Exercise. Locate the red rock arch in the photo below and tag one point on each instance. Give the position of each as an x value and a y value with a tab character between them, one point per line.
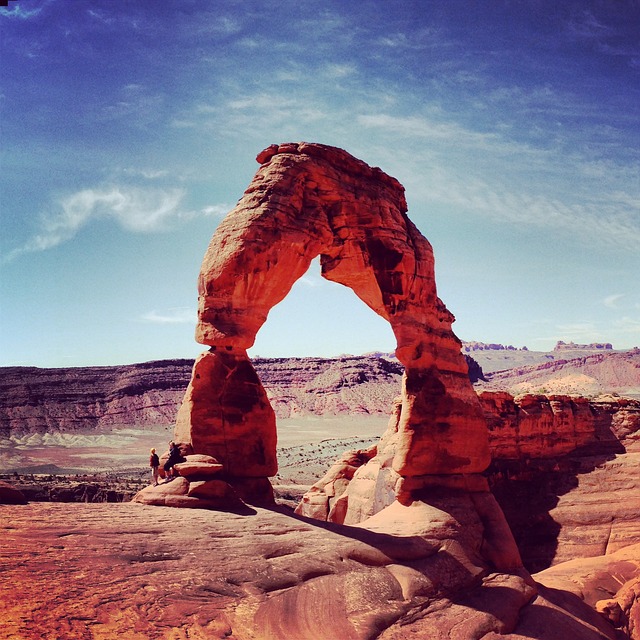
310	200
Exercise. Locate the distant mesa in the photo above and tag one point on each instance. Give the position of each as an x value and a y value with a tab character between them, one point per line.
483	346
572	346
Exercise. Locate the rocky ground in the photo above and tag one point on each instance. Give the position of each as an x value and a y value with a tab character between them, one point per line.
104	571
53	471
80	561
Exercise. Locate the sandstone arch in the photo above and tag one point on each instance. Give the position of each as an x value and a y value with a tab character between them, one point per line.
309	200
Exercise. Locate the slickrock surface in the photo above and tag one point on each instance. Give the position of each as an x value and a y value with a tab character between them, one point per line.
130	571
610	584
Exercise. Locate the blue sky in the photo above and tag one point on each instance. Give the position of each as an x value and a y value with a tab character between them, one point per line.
128	129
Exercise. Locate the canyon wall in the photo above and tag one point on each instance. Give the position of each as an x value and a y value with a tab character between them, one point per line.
87	399
94	399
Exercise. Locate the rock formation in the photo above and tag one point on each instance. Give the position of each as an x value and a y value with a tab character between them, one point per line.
310	200
547	426
134	571
10	495
85	399
588	375
82	400
73	400
564	471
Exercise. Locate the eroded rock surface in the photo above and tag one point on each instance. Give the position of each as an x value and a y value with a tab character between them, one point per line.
35	400
96	571
571	371
310	200
10	494
564	471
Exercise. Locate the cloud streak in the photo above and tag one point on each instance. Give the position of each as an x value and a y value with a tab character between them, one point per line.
174	315
133	209
515	183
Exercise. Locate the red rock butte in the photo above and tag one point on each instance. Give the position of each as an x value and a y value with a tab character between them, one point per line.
308	200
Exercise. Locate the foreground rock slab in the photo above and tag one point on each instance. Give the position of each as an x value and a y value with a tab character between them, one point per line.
97	571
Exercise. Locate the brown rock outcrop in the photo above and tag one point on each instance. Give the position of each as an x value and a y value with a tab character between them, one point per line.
10	495
310	200
226	414
546	426
564	471
610	584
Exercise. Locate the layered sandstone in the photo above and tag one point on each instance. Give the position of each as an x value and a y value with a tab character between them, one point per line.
71	400
564	471
86	399
572	372
547	426
310	200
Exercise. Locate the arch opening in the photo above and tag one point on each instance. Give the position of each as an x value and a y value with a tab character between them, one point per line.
321	318
310	200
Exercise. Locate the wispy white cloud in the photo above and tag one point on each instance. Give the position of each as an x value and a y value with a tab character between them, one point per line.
585	26
135	102
136	210
579	332
337	71
612	301
311	281
505	180
628	326
215	210
595	222
173	315
19	12
249	115
426	128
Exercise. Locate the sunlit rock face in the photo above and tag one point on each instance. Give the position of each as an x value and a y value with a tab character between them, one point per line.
226	414
310	200
564	473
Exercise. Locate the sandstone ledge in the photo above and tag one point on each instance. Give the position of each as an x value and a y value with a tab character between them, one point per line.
134	571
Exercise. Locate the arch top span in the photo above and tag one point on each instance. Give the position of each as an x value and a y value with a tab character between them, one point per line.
308	200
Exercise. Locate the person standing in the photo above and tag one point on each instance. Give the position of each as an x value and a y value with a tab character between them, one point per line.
154	463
